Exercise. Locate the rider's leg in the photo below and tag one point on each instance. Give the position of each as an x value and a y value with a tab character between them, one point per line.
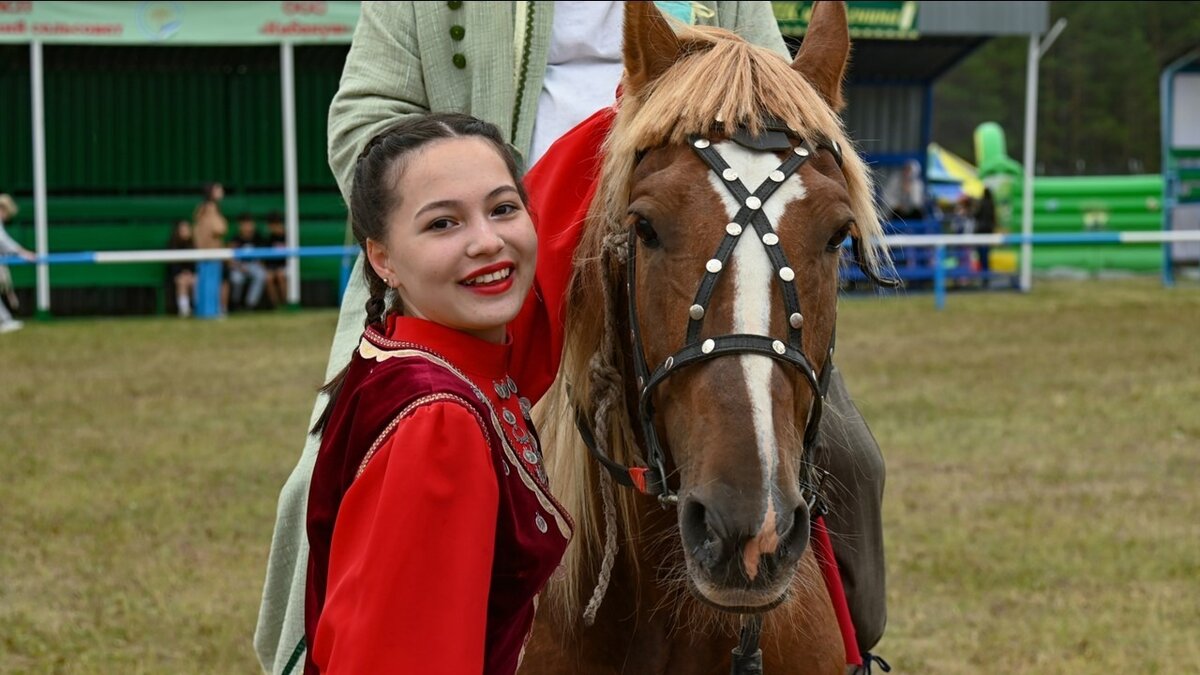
854	490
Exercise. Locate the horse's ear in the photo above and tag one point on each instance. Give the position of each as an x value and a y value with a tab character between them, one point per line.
650	45
825	50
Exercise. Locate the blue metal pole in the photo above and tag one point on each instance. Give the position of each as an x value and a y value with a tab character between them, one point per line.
939	277
208	289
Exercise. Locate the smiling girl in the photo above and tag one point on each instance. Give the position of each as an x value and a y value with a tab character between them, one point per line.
430	523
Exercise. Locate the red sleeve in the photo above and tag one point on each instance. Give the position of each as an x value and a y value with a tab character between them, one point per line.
410	564
560	186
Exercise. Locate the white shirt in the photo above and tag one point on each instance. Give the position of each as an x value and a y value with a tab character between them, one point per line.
7	243
583	68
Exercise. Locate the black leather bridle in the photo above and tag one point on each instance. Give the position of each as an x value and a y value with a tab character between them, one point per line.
750	218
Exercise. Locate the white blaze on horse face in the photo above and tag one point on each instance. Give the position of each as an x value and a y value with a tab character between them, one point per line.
754	280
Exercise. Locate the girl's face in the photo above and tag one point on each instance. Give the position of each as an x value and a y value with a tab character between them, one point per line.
183	230
460	247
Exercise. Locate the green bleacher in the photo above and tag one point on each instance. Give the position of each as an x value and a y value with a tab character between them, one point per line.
140	223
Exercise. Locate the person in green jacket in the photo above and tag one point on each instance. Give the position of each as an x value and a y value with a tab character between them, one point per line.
535	69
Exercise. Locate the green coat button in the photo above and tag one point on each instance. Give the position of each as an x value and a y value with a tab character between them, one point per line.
460	61
458	32
454	4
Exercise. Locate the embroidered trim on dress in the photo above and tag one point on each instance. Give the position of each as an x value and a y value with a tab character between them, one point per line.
369	350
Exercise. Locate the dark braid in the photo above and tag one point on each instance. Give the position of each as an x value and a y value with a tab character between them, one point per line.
376	304
375	307
373	197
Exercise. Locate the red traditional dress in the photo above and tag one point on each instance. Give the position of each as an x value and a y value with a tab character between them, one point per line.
431	527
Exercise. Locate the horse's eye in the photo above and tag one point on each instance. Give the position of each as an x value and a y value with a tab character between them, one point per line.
645	232
838	238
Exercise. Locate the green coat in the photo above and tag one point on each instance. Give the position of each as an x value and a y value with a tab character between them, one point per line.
379	85
402	62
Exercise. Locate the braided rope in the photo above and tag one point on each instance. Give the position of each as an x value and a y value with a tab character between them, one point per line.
610	550
606	384
615	244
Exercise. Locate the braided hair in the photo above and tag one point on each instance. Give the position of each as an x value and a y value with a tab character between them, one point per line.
373	197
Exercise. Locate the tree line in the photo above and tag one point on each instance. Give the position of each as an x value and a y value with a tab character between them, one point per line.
1098	89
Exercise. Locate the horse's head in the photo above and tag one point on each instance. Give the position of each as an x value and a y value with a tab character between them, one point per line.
728	189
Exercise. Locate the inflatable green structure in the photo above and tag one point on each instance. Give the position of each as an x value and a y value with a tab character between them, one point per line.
1069	204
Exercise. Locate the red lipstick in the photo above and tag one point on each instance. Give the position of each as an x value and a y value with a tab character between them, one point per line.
493	287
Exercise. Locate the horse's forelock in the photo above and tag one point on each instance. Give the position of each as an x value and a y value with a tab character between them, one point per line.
754	83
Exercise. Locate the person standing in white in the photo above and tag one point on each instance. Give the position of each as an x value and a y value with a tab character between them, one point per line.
583	69
8	209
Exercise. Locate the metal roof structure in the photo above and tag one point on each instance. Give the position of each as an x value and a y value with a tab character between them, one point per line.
918	40
900	49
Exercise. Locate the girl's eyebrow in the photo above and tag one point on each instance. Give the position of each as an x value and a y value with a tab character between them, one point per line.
454	202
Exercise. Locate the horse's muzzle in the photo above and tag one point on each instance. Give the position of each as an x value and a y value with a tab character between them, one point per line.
724	573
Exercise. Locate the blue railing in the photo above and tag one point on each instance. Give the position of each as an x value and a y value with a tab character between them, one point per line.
937	269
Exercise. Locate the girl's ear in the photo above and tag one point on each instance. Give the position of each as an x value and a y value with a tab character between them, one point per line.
378	259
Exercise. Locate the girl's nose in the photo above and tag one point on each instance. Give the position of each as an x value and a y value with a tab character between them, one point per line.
485	240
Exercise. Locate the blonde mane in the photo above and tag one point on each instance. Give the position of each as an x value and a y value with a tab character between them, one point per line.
720	77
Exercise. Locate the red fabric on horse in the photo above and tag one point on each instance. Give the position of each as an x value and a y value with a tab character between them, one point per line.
823	549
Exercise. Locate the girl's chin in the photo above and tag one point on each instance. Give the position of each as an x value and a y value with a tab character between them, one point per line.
488	323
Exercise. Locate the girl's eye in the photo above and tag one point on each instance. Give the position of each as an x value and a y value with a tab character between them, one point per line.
441	224
838	238
505	210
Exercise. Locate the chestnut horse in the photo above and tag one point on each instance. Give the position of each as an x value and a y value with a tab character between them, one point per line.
701	319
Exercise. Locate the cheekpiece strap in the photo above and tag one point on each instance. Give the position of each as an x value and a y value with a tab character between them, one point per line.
646	480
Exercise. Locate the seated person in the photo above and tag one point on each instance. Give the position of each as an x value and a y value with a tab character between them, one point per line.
242	272
182	274
276	267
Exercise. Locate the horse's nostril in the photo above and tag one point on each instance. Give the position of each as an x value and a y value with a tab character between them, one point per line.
788	521
694	517
698	535
793	534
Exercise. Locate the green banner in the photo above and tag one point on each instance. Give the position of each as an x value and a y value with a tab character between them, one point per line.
882	20
178	23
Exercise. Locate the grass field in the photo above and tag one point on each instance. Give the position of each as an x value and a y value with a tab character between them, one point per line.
1042	510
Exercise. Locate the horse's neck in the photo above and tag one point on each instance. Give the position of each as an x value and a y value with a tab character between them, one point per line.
645	618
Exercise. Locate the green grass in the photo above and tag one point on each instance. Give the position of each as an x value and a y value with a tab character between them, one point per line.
143	459
1042	510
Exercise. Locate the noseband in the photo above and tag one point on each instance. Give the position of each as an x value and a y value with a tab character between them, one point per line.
750	217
